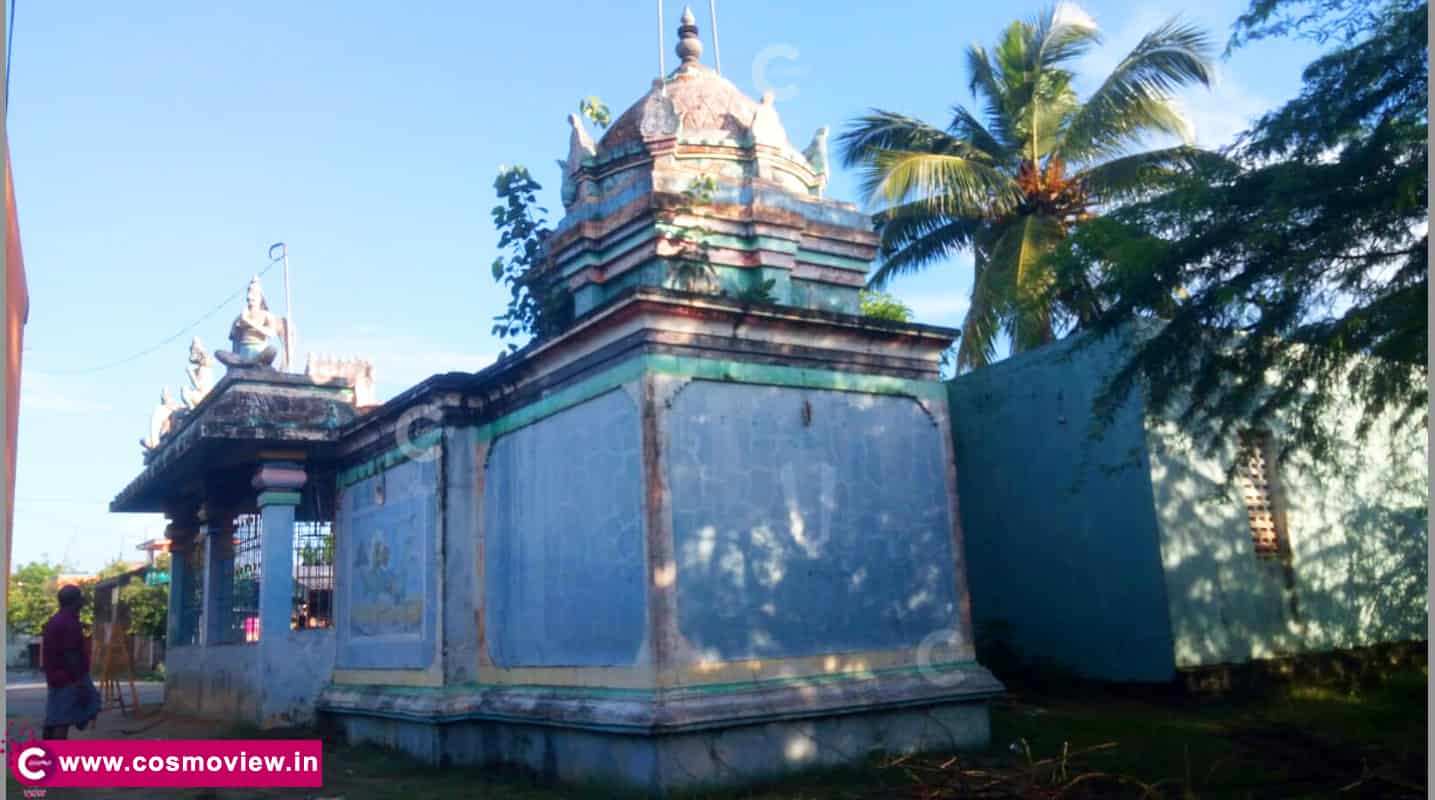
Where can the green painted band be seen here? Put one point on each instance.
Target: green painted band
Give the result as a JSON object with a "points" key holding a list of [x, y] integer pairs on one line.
{"points": [[795, 377], [601, 255], [681, 366], [278, 497], [392, 458], [944, 668], [829, 260], [605, 254], [602, 383], [704, 369]]}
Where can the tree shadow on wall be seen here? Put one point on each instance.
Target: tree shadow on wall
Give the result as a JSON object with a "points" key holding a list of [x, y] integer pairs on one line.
{"points": [[807, 522], [1353, 571]]}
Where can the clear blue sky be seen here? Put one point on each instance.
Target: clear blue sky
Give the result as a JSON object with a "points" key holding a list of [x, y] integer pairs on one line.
{"points": [[159, 148]]}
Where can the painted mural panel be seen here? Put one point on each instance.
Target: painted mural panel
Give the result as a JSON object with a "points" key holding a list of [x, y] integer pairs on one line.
{"points": [[387, 531], [807, 521], [563, 539]]}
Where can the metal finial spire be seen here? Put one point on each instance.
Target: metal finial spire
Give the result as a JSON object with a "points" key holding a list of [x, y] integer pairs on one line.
{"points": [[717, 49], [690, 47]]}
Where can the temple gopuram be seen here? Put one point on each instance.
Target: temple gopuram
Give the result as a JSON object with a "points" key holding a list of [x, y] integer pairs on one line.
{"points": [[706, 534]]}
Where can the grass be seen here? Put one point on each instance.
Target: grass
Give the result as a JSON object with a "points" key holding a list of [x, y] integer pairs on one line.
{"points": [[1303, 740]]}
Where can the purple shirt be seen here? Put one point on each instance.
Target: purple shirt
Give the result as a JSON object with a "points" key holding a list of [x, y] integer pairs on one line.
{"points": [[62, 649]]}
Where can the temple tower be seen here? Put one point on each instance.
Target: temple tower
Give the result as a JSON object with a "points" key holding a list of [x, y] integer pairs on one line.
{"points": [[697, 187], [712, 524]]}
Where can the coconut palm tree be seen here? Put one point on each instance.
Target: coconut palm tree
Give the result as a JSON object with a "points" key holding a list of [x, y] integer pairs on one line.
{"points": [[1009, 183]]}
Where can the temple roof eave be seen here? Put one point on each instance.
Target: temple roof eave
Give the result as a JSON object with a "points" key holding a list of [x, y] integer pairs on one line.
{"points": [[247, 414]]}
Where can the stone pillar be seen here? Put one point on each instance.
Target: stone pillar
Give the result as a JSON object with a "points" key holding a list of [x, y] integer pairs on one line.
{"points": [[666, 647], [181, 536], [177, 576], [218, 603], [278, 484]]}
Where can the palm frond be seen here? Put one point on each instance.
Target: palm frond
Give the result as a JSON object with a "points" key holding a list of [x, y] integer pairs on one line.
{"points": [[966, 126], [955, 185], [978, 344], [1142, 174], [1061, 36], [987, 87], [1038, 95], [1136, 99], [1021, 251], [913, 238], [887, 130]]}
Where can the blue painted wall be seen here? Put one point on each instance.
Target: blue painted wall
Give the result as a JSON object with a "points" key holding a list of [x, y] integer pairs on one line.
{"points": [[563, 539], [296, 670], [387, 549], [218, 681], [807, 521], [1060, 530], [1356, 524]]}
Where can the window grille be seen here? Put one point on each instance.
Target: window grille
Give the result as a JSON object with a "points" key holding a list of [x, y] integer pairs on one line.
{"points": [[313, 575], [244, 605], [1257, 483]]}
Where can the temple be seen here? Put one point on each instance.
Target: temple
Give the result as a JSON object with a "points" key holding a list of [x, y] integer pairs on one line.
{"points": [[705, 535]]}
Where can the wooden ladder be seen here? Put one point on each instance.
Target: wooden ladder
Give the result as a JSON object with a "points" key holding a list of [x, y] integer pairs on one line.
{"points": [[116, 661]]}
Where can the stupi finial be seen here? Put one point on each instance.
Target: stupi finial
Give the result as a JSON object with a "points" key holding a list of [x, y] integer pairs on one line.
{"points": [[690, 47]]}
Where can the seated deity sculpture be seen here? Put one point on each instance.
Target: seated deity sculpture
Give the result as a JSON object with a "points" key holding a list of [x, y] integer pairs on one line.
{"points": [[201, 374], [161, 421], [251, 332]]}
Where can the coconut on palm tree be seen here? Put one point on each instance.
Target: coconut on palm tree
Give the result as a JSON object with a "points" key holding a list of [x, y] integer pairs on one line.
{"points": [[1008, 183]]}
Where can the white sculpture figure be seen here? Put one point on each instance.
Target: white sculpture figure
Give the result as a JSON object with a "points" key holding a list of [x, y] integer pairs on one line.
{"points": [[765, 127], [356, 371], [816, 155], [161, 421], [580, 147], [251, 332], [201, 374]]}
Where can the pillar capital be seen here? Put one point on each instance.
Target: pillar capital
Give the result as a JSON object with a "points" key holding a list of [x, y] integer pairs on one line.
{"points": [[180, 536], [180, 529], [217, 525], [279, 483], [278, 497]]}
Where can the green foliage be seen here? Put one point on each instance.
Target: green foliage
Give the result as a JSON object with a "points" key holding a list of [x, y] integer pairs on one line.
{"points": [[148, 606], [321, 556], [32, 597], [87, 612], [535, 309], [1317, 20], [1009, 183], [691, 270], [1295, 277], [758, 292], [595, 110], [880, 305]]}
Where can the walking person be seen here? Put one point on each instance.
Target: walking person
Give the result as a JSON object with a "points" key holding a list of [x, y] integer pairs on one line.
{"points": [[72, 698]]}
